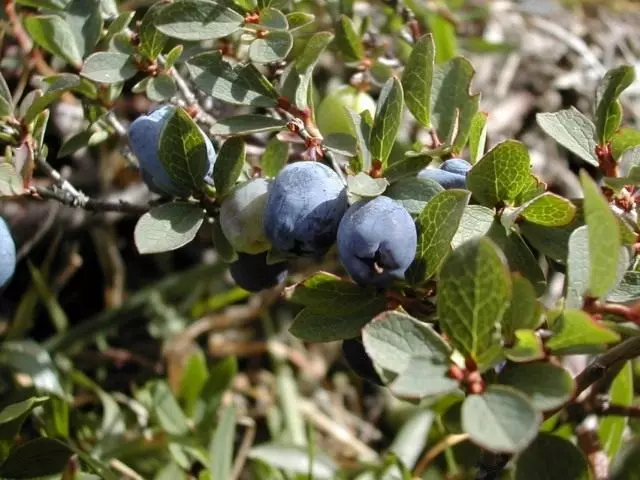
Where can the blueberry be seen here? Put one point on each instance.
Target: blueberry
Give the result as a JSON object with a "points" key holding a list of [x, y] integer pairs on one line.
{"points": [[446, 179], [451, 174], [305, 204], [253, 273], [377, 241], [456, 165], [242, 216], [7, 254], [144, 136]]}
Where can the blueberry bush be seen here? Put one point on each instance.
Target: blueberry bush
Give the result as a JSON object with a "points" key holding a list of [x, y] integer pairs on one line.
{"points": [[285, 191]]}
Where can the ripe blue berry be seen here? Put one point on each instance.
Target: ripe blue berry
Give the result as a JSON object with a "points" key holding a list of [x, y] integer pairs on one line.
{"points": [[305, 204], [377, 241]]}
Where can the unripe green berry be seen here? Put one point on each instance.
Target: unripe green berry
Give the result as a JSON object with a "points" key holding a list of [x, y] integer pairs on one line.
{"points": [[242, 217], [332, 117]]}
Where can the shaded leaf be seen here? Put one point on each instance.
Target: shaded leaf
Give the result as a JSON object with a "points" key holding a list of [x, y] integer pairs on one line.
{"points": [[473, 294], [414, 193], [607, 111], [611, 428], [347, 40], [275, 46], [228, 166], [568, 460], [245, 124], [168, 227], [490, 419], [436, 224], [477, 137], [387, 120], [546, 385], [36, 458], [53, 34]]}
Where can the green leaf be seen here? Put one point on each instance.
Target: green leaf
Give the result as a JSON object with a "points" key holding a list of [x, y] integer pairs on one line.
{"points": [[52, 4], [548, 210], [473, 294], [56, 86], [575, 330], [273, 47], [36, 458], [15, 411], [546, 385], [422, 378], [48, 299], [524, 310], [228, 166], [489, 419], [452, 106], [362, 185], [607, 111], [567, 460], [11, 183], [437, 224], [526, 347], [53, 34], [347, 40], [604, 239], [220, 378], [273, 19], [195, 20], [12, 418], [393, 338], [296, 80], [411, 440], [275, 157], [414, 193], [109, 67], [240, 85], [223, 247], [183, 152], [573, 130], [119, 24], [161, 88], [326, 293], [312, 326], [245, 124], [85, 22], [221, 447], [612, 427], [624, 139], [295, 460], [579, 267], [408, 166], [341, 143], [361, 129], [298, 20], [167, 411], [629, 168], [476, 221], [168, 227], [444, 34], [502, 175], [477, 137], [29, 358], [417, 80], [387, 120], [173, 55]]}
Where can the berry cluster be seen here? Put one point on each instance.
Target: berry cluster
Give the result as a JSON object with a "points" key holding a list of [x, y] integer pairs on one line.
{"points": [[302, 212]]}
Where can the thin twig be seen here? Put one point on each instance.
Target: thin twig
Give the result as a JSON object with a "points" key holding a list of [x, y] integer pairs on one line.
{"points": [[247, 441], [92, 204], [435, 451]]}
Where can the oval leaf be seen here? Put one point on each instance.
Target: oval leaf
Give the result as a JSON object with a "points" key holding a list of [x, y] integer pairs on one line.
{"points": [[168, 227], [500, 419]]}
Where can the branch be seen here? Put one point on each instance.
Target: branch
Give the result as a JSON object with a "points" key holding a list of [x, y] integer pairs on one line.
{"points": [[91, 204]]}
